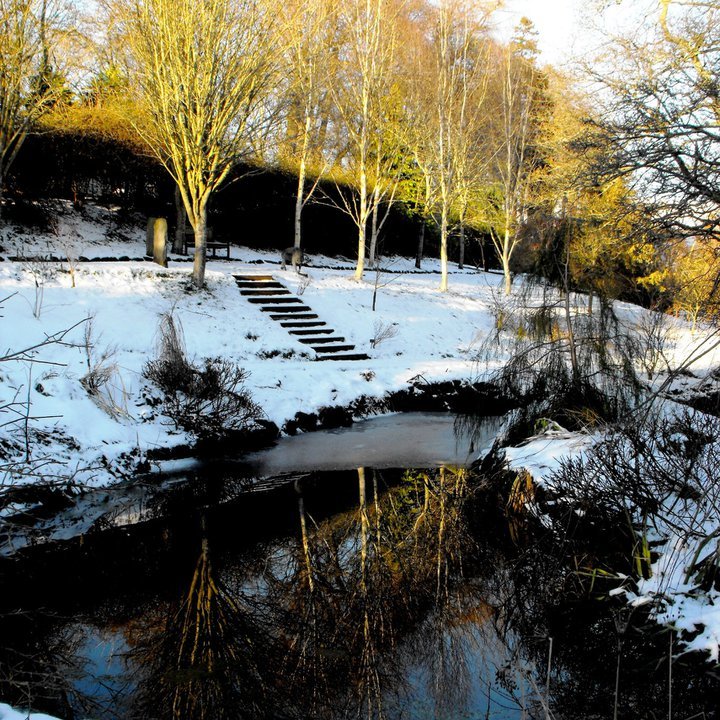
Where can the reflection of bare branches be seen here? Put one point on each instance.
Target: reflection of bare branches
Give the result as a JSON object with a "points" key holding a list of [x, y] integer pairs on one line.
{"points": [[202, 662], [375, 622], [448, 637], [38, 665], [415, 603], [354, 586]]}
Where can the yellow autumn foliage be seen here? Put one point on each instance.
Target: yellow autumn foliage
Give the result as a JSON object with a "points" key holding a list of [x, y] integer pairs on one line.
{"points": [[694, 272]]}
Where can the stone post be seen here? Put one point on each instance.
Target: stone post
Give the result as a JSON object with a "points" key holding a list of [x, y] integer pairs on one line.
{"points": [[160, 238]]}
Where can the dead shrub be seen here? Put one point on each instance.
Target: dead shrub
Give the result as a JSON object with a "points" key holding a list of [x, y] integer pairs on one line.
{"points": [[207, 399], [103, 381], [382, 332]]}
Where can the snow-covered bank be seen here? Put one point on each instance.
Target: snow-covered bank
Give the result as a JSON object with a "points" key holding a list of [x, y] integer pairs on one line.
{"points": [[675, 469], [113, 314], [114, 311], [8, 713]]}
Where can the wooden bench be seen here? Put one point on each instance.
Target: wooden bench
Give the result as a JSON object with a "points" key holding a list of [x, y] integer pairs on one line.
{"points": [[212, 245]]}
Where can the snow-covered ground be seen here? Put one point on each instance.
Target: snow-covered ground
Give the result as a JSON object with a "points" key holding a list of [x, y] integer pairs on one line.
{"points": [[114, 312], [111, 319]]}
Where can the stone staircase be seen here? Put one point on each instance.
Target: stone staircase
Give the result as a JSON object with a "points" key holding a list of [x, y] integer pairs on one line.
{"points": [[296, 317]]}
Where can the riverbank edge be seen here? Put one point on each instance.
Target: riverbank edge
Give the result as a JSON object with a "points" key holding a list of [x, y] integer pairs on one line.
{"points": [[464, 397]]}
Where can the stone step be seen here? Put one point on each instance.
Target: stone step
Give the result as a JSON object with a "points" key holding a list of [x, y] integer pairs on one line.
{"points": [[297, 318], [291, 311], [271, 292], [274, 300], [321, 340], [312, 331], [344, 356], [301, 317], [300, 323], [254, 278], [258, 284], [332, 348]]}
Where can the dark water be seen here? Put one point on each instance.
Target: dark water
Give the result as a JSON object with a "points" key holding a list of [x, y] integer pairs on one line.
{"points": [[369, 592]]}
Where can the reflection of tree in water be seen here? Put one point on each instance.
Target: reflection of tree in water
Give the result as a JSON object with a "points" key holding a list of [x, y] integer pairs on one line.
{"points": [[422, 601], [352, 589], [202, 659], [432, 575], [463, 643], [317, 626], [334, 597], [442, 548]]}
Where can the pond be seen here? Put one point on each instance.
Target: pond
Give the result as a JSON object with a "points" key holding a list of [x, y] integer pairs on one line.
{"points": [[401, 440], [412, 591]]}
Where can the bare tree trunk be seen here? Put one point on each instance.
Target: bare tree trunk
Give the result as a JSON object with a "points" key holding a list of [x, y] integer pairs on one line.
{"points": [[420, 246], [198, 275], [443, 249], [299, 202], [506, 261], [180, 223], [362, 226]]}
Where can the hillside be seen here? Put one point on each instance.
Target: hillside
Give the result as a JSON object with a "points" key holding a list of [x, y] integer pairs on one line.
{"points": [[111, 318], [113, 315]]}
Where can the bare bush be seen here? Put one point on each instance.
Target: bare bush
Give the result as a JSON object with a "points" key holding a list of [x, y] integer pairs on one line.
{"points": [[653, 332], [40, 270], [381, 332], [20, 465], [205, 400], [660, 473], [71, 251], [103, 380], [564, 364]]}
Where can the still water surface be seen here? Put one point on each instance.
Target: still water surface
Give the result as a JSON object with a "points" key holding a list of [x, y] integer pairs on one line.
{"points": [[403, 592], [389, 441]]}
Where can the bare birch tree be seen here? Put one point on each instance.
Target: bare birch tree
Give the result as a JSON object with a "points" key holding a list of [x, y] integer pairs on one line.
{"points": [[364, 86], [454, 88], [515, 131], [27, 90], [204, 72], [312, 32]]}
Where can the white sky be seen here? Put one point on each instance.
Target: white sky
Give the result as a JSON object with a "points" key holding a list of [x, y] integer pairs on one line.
{"points": [[565, 26], [557, 22]]}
